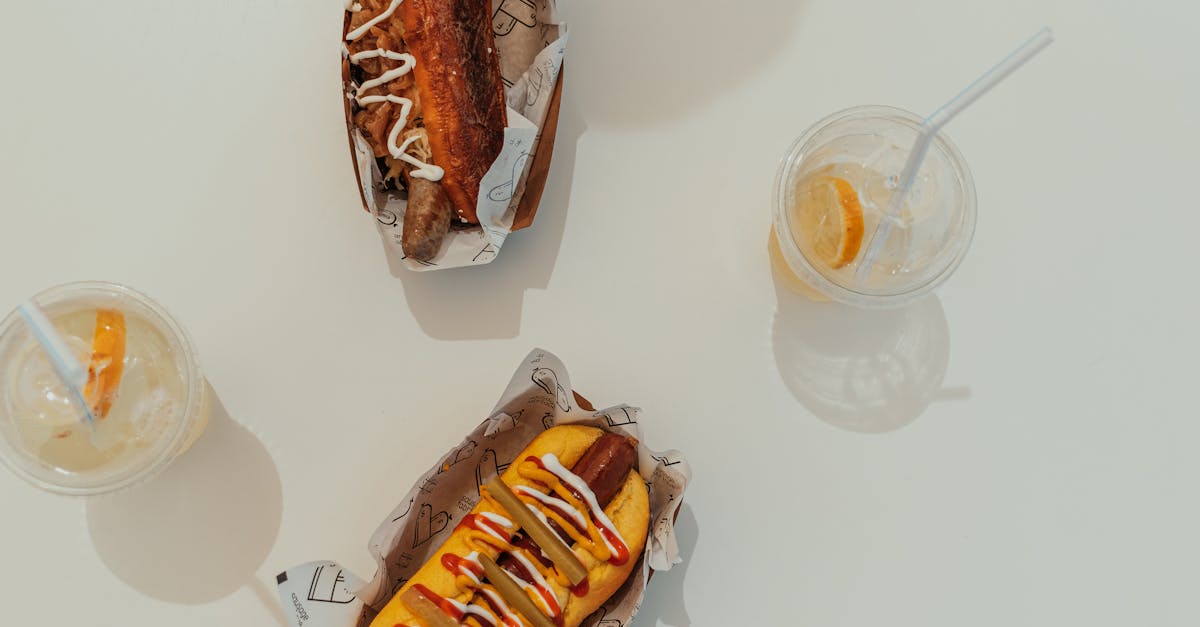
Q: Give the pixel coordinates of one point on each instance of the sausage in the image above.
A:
(426, 220)
(603, 467)
(606, 464)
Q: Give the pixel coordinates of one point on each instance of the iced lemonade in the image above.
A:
(834, 189)
(144, 389)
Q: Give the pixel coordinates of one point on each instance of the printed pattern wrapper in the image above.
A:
(322, 594)
(531, 41)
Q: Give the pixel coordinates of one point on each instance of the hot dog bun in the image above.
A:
(629, 512)
(425, 92)
(462, 92)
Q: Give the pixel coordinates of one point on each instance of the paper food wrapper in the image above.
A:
(531, 41)
(323, 594)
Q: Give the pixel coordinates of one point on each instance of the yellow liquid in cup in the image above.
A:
(151, 400)
(832, 212)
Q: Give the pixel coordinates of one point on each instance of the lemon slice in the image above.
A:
(107, 362)
(830, 217)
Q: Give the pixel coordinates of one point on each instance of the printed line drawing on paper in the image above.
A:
(405, 512)
(488, 249)
(539, 79)
(503, 422)
(329, 586)
(513, 12)
(629, 418)
(547, 379)
(464, 452)
(665, 461)
(505, 191)
(601, 621)
(489, 466)
(429, 525)
(387, 217)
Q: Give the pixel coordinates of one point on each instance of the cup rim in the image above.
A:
(800, 265)
(41, 475)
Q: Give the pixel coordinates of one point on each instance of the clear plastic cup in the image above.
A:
(160, 404)
(831, 192)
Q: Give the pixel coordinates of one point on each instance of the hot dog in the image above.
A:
(428, 97)
(598, 508)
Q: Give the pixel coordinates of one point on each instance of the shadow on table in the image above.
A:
(199, 531)
(865, 370)
(664, 602)
(650, 62)
(484, 302)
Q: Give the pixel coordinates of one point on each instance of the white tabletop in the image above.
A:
(1032, 456)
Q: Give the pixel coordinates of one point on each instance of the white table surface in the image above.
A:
(1035, 426)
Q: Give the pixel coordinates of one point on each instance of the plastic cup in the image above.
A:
(160, 408)
(866, 147)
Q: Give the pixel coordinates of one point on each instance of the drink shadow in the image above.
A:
(864, 370)
(485, 302)
(664, 602)
(197, 532)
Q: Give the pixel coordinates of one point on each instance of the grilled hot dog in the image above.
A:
(490, 572)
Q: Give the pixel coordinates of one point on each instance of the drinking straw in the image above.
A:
(72, 373)
(929, 129)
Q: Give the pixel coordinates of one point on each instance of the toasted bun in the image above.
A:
(629, 511)
(462, 91)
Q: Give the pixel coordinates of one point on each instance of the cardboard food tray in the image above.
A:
(539, 396)
(529, 186)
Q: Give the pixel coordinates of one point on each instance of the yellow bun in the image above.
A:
(629, 511)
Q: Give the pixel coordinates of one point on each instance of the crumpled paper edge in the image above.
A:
(539, 396)
(501, 189)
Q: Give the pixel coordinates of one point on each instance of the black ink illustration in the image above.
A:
(546, 379)
(600, 620)
(386, 218)
(489, 466)
(505, 191)
(548, 420)
(429, 525)
(512, 12)
(538, 79)
(399, 584)
(420, 261)
(625, 417)
(329, 586)
(487, 253)
(464, 452)
(665, 461)
(405, 512)
(504, 422)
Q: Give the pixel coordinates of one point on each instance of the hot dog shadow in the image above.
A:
(664, 603)
(650, 62)
(870, 371)
(485, 302)
(199, 531)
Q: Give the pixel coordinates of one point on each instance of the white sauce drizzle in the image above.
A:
(407, 61)
(554, 503)
(538, 580)
(550, 461)
(498, 519)
(498, 601)
(362, 30)
(470, 574)
(477, 610)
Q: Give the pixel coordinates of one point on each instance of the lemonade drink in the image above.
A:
(144, 387)
(833, 191)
